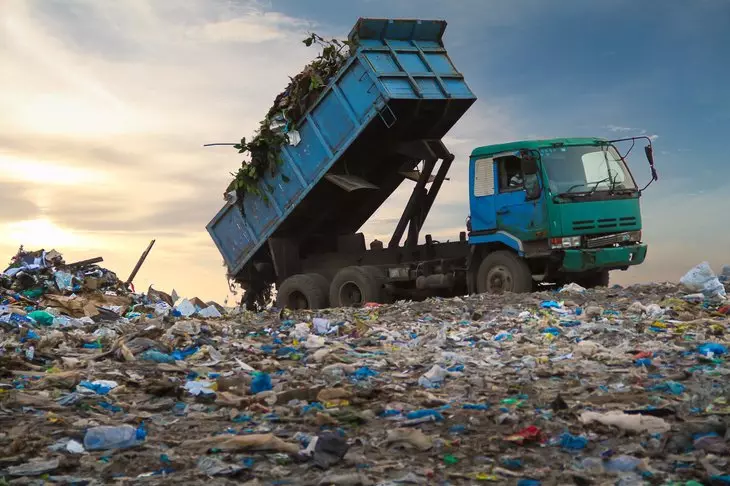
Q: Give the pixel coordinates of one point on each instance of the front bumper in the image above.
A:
(580, 260)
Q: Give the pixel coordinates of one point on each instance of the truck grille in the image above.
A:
(608, 240)
(604, 224)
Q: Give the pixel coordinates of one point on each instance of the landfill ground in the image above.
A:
(609, 386)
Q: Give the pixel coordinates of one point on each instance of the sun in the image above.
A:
(41, 233)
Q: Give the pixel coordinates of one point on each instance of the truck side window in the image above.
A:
(510, 174)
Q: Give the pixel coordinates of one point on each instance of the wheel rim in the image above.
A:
(350, 294)
(499, 280)
(297, 301)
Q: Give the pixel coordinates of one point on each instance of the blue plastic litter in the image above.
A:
(181, 354)
(418, 414)
(570, 323)
(551, 330)
(475, 406)
(642, 362)
(456, 369)
(457, 429)
(180, 409)
(390, 413)
(111, 407)
(550, 304)
(621, 464)
(261, 382)
(315, 406)
(512, 463)
(573, 442)
(95, 345)
(503, 336)
(156, 356)
(364, 373)
(528, 482)
(716, 349)
(285, 351)
(96, 387)
(669, 387)
(141, 432)
(725, 478)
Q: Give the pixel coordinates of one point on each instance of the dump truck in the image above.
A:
(540, 211)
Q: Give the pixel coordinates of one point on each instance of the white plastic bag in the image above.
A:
(210, 312)
(702, 279)
(185, 307)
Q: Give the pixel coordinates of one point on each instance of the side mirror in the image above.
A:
(649, 151)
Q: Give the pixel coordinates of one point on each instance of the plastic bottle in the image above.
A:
(621, 464)
(107, 437)
(156, 356)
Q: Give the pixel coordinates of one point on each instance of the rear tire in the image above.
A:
(503, 271)
(355, 286)
(307, 291)
(381, 276)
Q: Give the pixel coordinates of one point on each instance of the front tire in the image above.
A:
(503, 271)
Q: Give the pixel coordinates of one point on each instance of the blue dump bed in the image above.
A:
(399, 87)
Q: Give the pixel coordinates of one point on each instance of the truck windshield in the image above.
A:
(581, 169)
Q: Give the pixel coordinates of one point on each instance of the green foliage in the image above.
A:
(287, 110)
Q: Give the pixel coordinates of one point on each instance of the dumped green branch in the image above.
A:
(283, 117)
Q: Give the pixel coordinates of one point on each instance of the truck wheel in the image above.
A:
(308, 291)
(381, 276)
(503, 271)
(354, 286)
(593, 279)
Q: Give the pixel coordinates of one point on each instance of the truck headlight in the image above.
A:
(565, 242)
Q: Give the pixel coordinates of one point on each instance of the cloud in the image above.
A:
(106, 106)
(616, 128)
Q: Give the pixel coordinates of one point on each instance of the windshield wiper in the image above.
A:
(595, 188)
(583, 193)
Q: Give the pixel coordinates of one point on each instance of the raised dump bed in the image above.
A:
(400, 86)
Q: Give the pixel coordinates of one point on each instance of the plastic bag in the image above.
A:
(210, 312)
(702, 279)
(185, 307)
(64, 280)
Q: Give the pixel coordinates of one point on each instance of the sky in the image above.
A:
(106, 105)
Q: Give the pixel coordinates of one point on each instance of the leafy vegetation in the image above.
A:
(287, 111)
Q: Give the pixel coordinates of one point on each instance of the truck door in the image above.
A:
(515, 214)
(483, 185)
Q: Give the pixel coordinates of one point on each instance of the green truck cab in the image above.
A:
(568, 209)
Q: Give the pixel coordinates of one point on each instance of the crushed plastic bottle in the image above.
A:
(156, 356)
(107, 437)
(621, 463)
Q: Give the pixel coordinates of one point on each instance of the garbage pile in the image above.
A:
(570, 386)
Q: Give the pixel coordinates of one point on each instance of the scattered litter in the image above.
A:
(577, 386)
